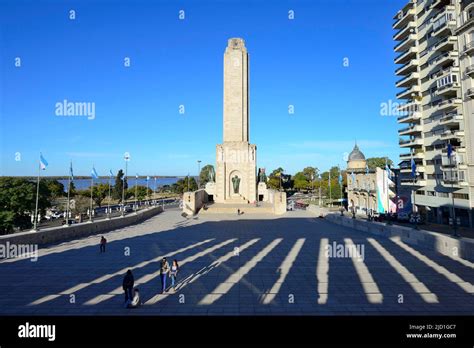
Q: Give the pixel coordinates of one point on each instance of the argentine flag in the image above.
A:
(43, 162)
(70, 172)
(340, 178)
(147, 178)
(387, 168)
(94, 173)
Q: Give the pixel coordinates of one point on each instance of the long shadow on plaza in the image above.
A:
(84, 265)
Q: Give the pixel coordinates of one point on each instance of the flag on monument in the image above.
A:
(94, 173)
(43, 162)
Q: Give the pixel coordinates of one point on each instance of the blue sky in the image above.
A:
(180, 62)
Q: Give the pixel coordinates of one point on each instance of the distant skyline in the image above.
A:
(333, 62)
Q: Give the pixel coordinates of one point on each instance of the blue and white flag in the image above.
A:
(387, 168)
(71, 172)
(339, 179)
(94, 173)
(43, 162)
(413, 168)
(147, 178)
(136, 176)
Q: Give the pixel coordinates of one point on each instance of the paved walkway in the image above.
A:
(240, 265)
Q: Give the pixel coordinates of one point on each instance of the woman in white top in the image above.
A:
(173, 273)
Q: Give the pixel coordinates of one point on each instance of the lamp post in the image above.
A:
(320, 183)
(126, 158)
(415, 215)
(199, 174)
(451, 165)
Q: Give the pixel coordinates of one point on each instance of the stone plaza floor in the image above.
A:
(247, 265)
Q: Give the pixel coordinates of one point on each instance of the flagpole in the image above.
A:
(330, 189)
(37, 196)
(154, 192)
(147, 196)
(110, 196)
(136, 187)
(388, 191)
(92, 187)
(68, 195)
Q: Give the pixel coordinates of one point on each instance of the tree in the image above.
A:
(80, 205)
(18, 201)
(379, 162)
(275, 179)
(99, 192)
(181, 185)
(119, 186)
(300, 181)
(55, 188)
(205, 173)
(141, 191)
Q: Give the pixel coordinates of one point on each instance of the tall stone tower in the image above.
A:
(236, 158)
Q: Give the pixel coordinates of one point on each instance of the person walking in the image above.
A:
(164, 270)
(174, 273)
(127, 285)
(103, 242)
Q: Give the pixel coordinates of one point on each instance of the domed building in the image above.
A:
(366, 188)
(356, 161)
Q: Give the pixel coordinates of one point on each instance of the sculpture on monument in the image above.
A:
(211, 175)
(236, 183)
(262, 177)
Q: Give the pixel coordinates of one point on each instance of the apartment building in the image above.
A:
(435, 58)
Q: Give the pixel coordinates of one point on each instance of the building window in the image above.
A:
(443, 194)
(461, 195)
(431, 193)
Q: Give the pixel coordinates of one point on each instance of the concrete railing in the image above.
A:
(446, 245)
(65, 233)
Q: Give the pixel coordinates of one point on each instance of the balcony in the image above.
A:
(406, 44)
(408, 80)
(414, 129)
(406, 56)
(448, 104)
(447, 44)
(470, 71)
(451, 119)
(408, 68)
(455, 177)
(403, 18)
(445, 24)
(415, 155)
(452, 134)
(411, 182)
(410, 142)
(456, 149)
(470, 93)
(404, 32)
(449, 89)
(411, 117)
(410, 106)
(438, 4)
(409, 93)
(446, 57)
(456, 160)
(468, 48)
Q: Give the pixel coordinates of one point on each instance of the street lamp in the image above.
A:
(126, 158)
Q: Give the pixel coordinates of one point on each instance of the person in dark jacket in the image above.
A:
(127, 286)
(103, 242)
